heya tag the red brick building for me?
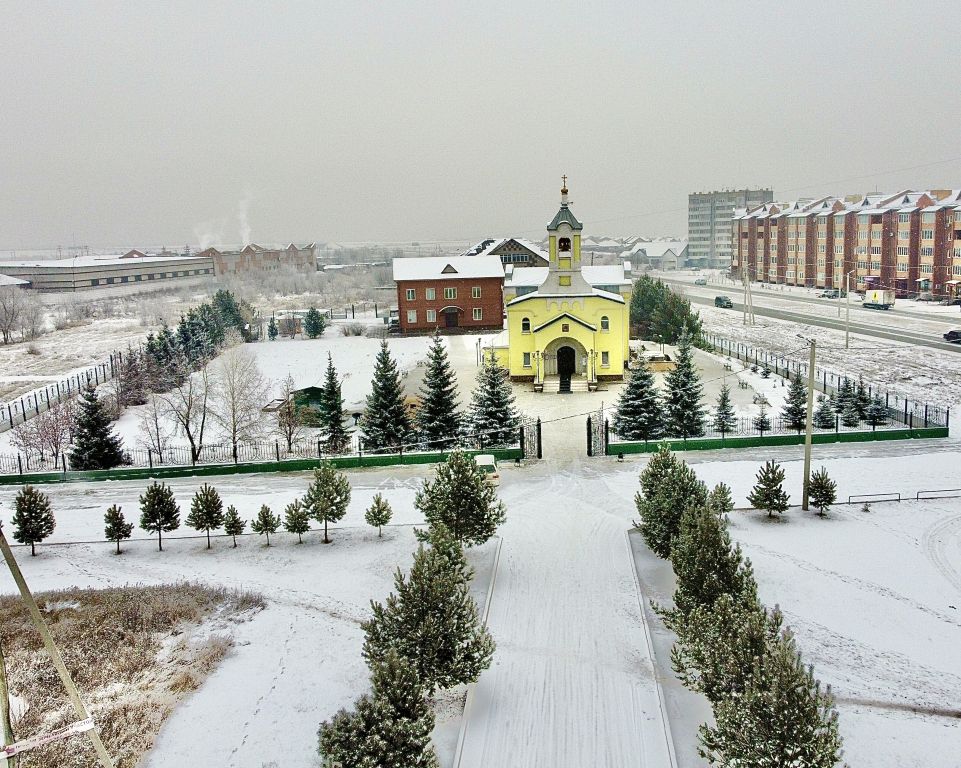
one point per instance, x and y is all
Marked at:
(255, 258)
(450, 292)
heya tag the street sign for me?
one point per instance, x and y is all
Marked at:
(81, 726)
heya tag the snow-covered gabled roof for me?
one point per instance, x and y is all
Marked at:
(601, 274)
(565, 316)
(594, 292)
(447, 267)
(7, 280)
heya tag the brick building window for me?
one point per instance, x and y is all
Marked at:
(430, 294)
(431, 316)
(478, 313)
(475, 292)
(927, 234)
(411, 294)
(450, 293)
(411, 315)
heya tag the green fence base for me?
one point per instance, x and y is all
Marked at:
(208, 470)
(716, 443)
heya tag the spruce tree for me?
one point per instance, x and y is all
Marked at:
(684, 413)
(492, 415)
(822, 491)
(95, 446)
(460, 498)
(272, 329)
(639, 414)
(724, 419)
(206, 511)
(431, 618)
(265, 523)
(32, 519)
(824, 414)
(233, 524)
(720, 501)
(795, 411)
(668, 488)
(768, 493)
(327, 497)
(845, 394)
(332, 410)
(782, 718)
(850, 416)
(296, 519)
(378, 514)
(116, 528)
(159, 512)
(762, 422)
(314, 323)
(386, 421)
(388, 728)
(862, 400)
(438, 420)
(877, 413)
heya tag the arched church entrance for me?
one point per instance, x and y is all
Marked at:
(566, 362)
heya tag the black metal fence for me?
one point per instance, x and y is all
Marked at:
(903, 410)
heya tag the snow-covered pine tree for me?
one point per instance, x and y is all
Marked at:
(272, 329)
(296, 519)
(768, 493)
(314, 323)
(265, 523)
(332, 410)
(327, 497)
(720, 501)
(795, 409)
(386, 421)
(862, 399)
(850, 416)
(115, 527)
(639, 415)
(492, 415)
(877, 413)
(762, 422)
(389, 728)
(845, 393)
(32, 519)
(460, 498)
(668, 488)
(378, 514)
(783, 717)
(431, 618)
(95, 446)
(824, 414)
(438, 420)
(724, 419)
(683, 411)
(159, 512)
(822, 491)
(233, 524)
(206, 510)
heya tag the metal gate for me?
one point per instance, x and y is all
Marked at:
(596, 439)
(531, 440)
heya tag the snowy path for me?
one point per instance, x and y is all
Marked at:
(572, 682)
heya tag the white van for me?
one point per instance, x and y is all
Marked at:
(487, 464)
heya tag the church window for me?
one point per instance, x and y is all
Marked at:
(450, 293)
(564, 244)
(475, 292)
(526, 325)
(605, 359)
(605, 323)
(411, 294)
(430, 294)
(527, 359)
(564, 280)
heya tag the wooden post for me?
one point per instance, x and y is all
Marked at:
(53, 652)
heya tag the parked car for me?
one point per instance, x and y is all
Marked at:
(724, 302)
(925, 296)
(830, 293)
(953, 337)
(487, 464)
(701, 281)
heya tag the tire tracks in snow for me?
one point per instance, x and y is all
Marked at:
(935, 544)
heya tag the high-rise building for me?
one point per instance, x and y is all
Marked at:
(709, 223)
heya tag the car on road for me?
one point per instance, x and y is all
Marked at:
(487, 464)
(701, 281)
(724, 302)
(953, 337)
(830, 293)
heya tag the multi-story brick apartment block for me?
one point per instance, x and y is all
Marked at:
(909, 242)
(449, 292)
(709, 223)
(253, 258)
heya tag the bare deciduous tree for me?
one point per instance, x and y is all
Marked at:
(239, 396)
(48, 433)
(13, 301)
(155, 428)
(189, 405)
(290, 420)
(33, 318)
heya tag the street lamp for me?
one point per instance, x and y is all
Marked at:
(847, 310)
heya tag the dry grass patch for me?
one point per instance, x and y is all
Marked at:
(134, 652)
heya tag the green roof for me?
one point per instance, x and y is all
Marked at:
(565, 215)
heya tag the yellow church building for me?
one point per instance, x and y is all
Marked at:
(567, 324)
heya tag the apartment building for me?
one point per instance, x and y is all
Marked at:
(709, 223)
(449, 292)
(909, 241)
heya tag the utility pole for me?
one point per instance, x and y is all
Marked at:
(744, 301)
(847, 311)
(5, 727)
(810, 428)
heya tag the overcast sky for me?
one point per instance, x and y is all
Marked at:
(146, 123)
